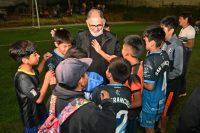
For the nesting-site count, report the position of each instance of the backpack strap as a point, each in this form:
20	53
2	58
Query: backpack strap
71	108
52	105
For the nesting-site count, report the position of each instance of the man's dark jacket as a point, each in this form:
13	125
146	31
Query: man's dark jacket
109	44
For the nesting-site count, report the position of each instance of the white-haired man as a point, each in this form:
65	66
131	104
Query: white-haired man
109	43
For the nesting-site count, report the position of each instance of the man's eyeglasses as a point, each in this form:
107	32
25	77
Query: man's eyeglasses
96	26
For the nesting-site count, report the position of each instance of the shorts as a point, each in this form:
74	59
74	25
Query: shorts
148	120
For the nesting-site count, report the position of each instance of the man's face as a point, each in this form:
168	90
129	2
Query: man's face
95	25
183	21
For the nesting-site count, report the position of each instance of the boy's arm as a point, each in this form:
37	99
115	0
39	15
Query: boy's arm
98	49
136	99
189	43
149	74
149	86
46	56
49	78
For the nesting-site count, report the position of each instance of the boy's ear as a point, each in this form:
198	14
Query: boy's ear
24	60
153	43
109	75
56	44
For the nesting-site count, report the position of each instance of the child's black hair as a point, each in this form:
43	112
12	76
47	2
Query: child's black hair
62	36
170	21
21	49
120	69
136	43
155	33
76	52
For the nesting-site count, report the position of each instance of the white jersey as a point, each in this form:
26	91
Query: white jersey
187	33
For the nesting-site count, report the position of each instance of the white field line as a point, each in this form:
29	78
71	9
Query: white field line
49	26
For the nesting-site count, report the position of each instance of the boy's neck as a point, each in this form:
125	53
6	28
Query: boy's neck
132	59
26	67
155	50
58	52
114	82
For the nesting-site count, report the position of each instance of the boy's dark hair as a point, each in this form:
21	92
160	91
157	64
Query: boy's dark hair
76	52
187	15
21	49
62	36
170	21
120	69
155	33
136	43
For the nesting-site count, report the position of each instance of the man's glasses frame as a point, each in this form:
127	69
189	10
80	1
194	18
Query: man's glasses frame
99	26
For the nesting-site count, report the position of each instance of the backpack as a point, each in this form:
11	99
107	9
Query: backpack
94	80
52	123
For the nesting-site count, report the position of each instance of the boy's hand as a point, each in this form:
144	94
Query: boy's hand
47	55
104	95
50	74
53	81
53	32
96	45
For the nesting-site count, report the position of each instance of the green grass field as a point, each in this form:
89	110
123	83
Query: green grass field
9	112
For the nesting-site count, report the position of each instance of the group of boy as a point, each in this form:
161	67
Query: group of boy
133	90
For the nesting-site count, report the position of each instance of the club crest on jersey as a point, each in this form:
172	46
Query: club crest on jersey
33	92
117	92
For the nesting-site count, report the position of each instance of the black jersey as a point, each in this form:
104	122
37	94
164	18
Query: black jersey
121	98
27	91
53	62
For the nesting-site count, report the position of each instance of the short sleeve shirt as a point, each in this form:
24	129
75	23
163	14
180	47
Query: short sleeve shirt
156	68
27	91
188	32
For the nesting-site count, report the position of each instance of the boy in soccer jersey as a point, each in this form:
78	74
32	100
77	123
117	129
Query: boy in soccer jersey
26	79
132	48
156	65
117	73
174	49
62	41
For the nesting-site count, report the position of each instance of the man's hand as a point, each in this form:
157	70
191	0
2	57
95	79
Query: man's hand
96	45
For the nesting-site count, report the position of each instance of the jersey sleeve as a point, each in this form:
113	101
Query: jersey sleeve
149	71
27	87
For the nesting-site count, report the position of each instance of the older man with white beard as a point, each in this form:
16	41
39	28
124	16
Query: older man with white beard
109	43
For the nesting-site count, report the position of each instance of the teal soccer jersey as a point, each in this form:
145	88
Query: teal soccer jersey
156	68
